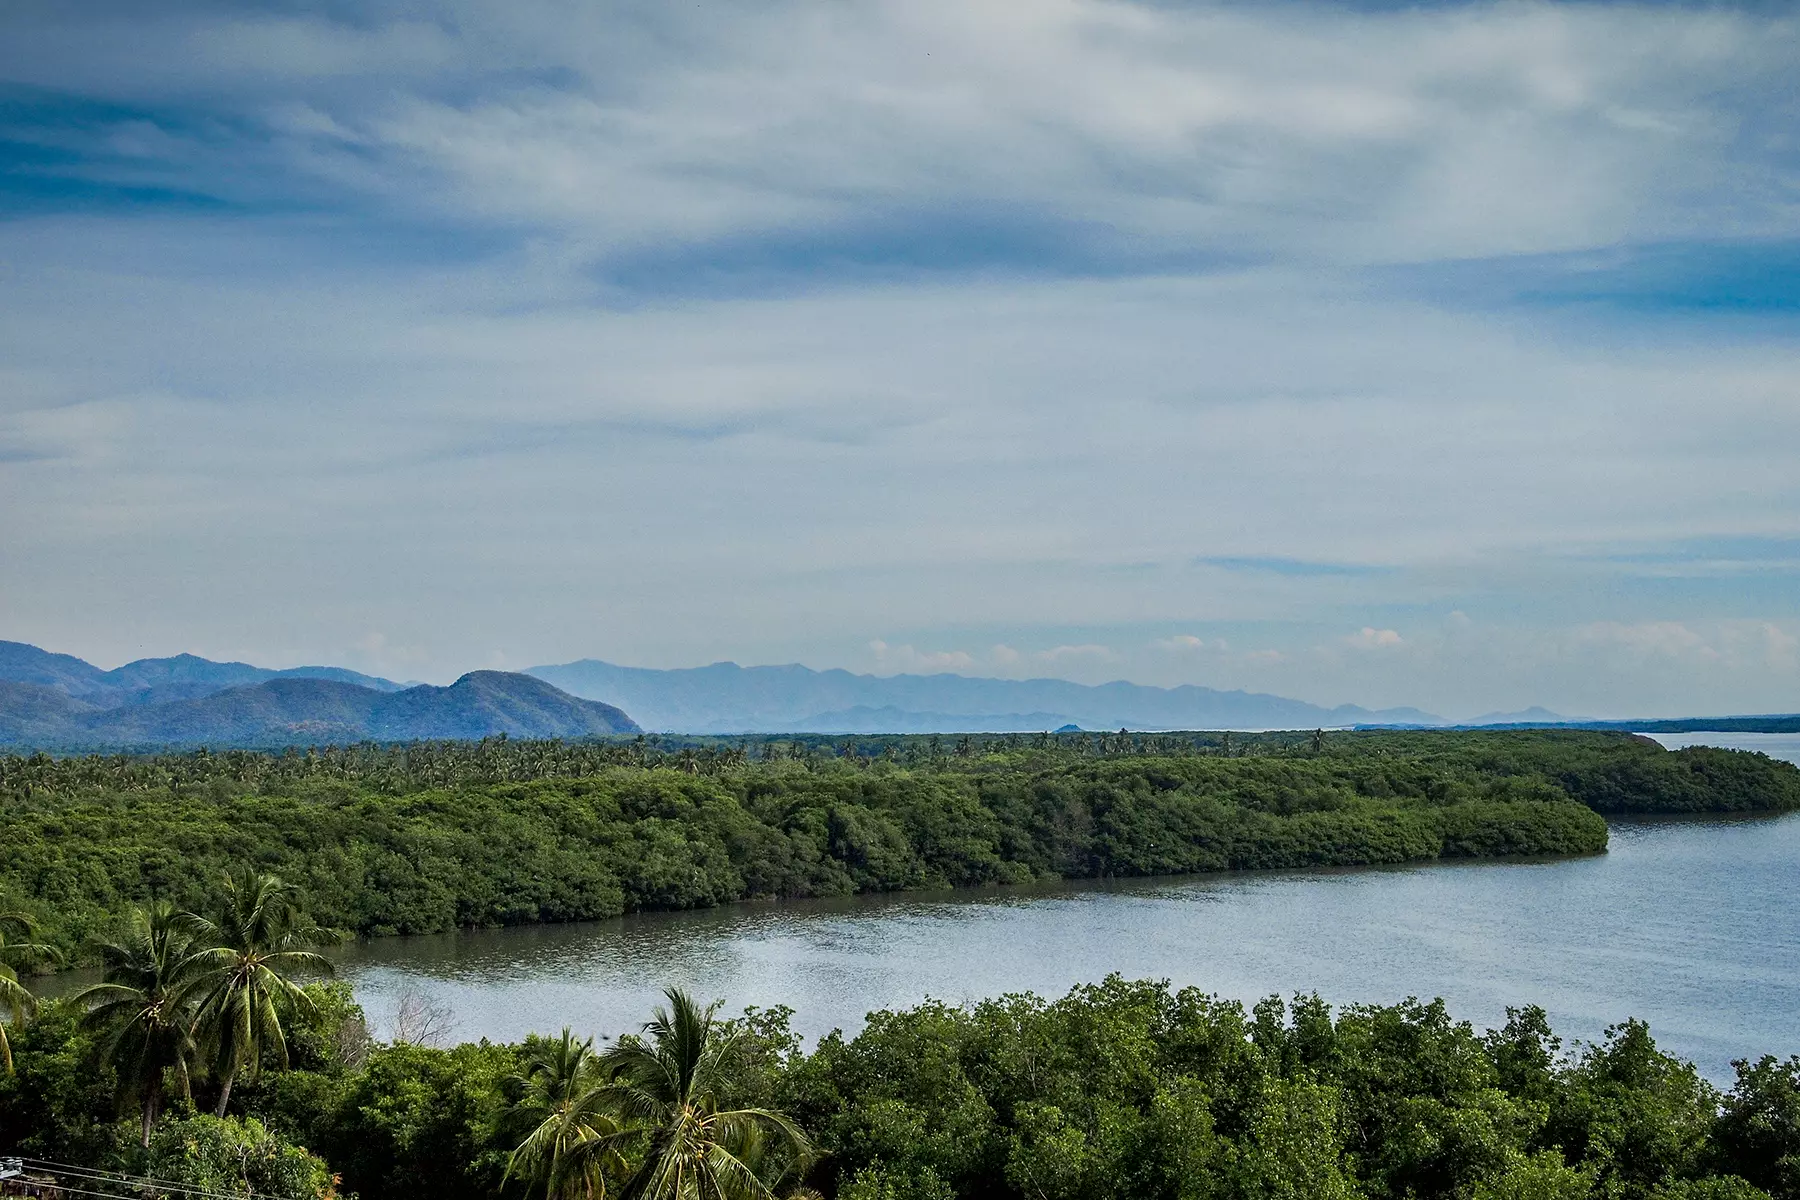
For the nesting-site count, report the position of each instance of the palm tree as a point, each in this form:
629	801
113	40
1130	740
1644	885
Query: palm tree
256	944
146	1004
574	1144
15	1000
667	1086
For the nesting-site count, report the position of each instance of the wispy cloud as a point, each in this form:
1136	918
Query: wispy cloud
1187	643
1049	336
1288	566
907	659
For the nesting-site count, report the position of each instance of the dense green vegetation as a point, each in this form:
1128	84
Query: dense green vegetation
1119	1090
202	1059
444	835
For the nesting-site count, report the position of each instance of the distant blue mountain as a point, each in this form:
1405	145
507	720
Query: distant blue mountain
1537	714
58	701
727	698
280	712
155	680
863	719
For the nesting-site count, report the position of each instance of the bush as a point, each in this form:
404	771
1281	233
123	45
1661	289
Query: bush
231	1157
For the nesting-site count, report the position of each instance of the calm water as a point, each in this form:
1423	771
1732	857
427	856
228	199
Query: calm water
1775	745
1692	925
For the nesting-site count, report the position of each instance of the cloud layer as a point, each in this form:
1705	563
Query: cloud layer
1442	356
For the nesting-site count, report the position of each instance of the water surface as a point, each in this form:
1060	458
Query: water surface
1693	925
1775	745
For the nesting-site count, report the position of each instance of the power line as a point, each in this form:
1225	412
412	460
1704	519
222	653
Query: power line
59	1188
125	1179
105	1178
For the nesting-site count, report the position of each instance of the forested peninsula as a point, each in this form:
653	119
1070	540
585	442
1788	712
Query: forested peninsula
437	836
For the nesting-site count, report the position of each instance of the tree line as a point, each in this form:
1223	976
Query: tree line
82	840
1118	1091
191	1003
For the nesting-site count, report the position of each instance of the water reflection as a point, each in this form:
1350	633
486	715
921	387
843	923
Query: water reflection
1689	924
1693	925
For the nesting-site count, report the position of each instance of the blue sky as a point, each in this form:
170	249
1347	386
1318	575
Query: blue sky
1397	354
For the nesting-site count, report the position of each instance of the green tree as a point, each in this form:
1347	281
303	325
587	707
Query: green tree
1713	1187
256	945
17	1004
1540	1176
1294	1148
1633	1115
1757	1135
234	1158
668	1085
574	1143
145	1007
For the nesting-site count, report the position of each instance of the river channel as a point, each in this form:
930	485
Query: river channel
1693	925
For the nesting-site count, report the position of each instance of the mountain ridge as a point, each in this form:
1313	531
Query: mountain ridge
724	697
286	709
149	681
53	700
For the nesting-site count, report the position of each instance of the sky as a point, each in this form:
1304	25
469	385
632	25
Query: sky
1443	355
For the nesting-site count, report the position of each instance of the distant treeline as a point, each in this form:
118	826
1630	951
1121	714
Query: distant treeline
433	837
1780	723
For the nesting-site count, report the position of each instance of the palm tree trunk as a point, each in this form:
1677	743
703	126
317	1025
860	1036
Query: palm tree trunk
225	1094
152	1104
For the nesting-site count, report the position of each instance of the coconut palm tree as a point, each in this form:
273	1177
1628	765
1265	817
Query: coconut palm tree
16	1001
667	1085
252	951
145	1007
574	1144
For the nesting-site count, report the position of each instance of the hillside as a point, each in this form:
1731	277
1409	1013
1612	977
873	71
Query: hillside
727	698
300	711
35	714
154	680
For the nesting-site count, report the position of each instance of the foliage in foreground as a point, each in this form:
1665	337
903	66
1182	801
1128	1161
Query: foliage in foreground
435	837
185	997
1118	1091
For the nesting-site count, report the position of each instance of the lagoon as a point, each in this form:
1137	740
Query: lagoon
1693	925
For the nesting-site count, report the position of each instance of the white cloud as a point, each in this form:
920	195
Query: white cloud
1297	132
1661	639
906	659
1187	643
1465	131
563	353
1747	645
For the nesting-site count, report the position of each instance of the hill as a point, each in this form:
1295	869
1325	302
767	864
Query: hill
302	711
36	714
154	680
727	698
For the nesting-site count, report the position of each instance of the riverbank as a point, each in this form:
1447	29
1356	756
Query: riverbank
376	847
1688	923
425	839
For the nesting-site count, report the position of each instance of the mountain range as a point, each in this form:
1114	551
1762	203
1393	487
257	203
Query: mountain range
59	701
154	680
727	698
